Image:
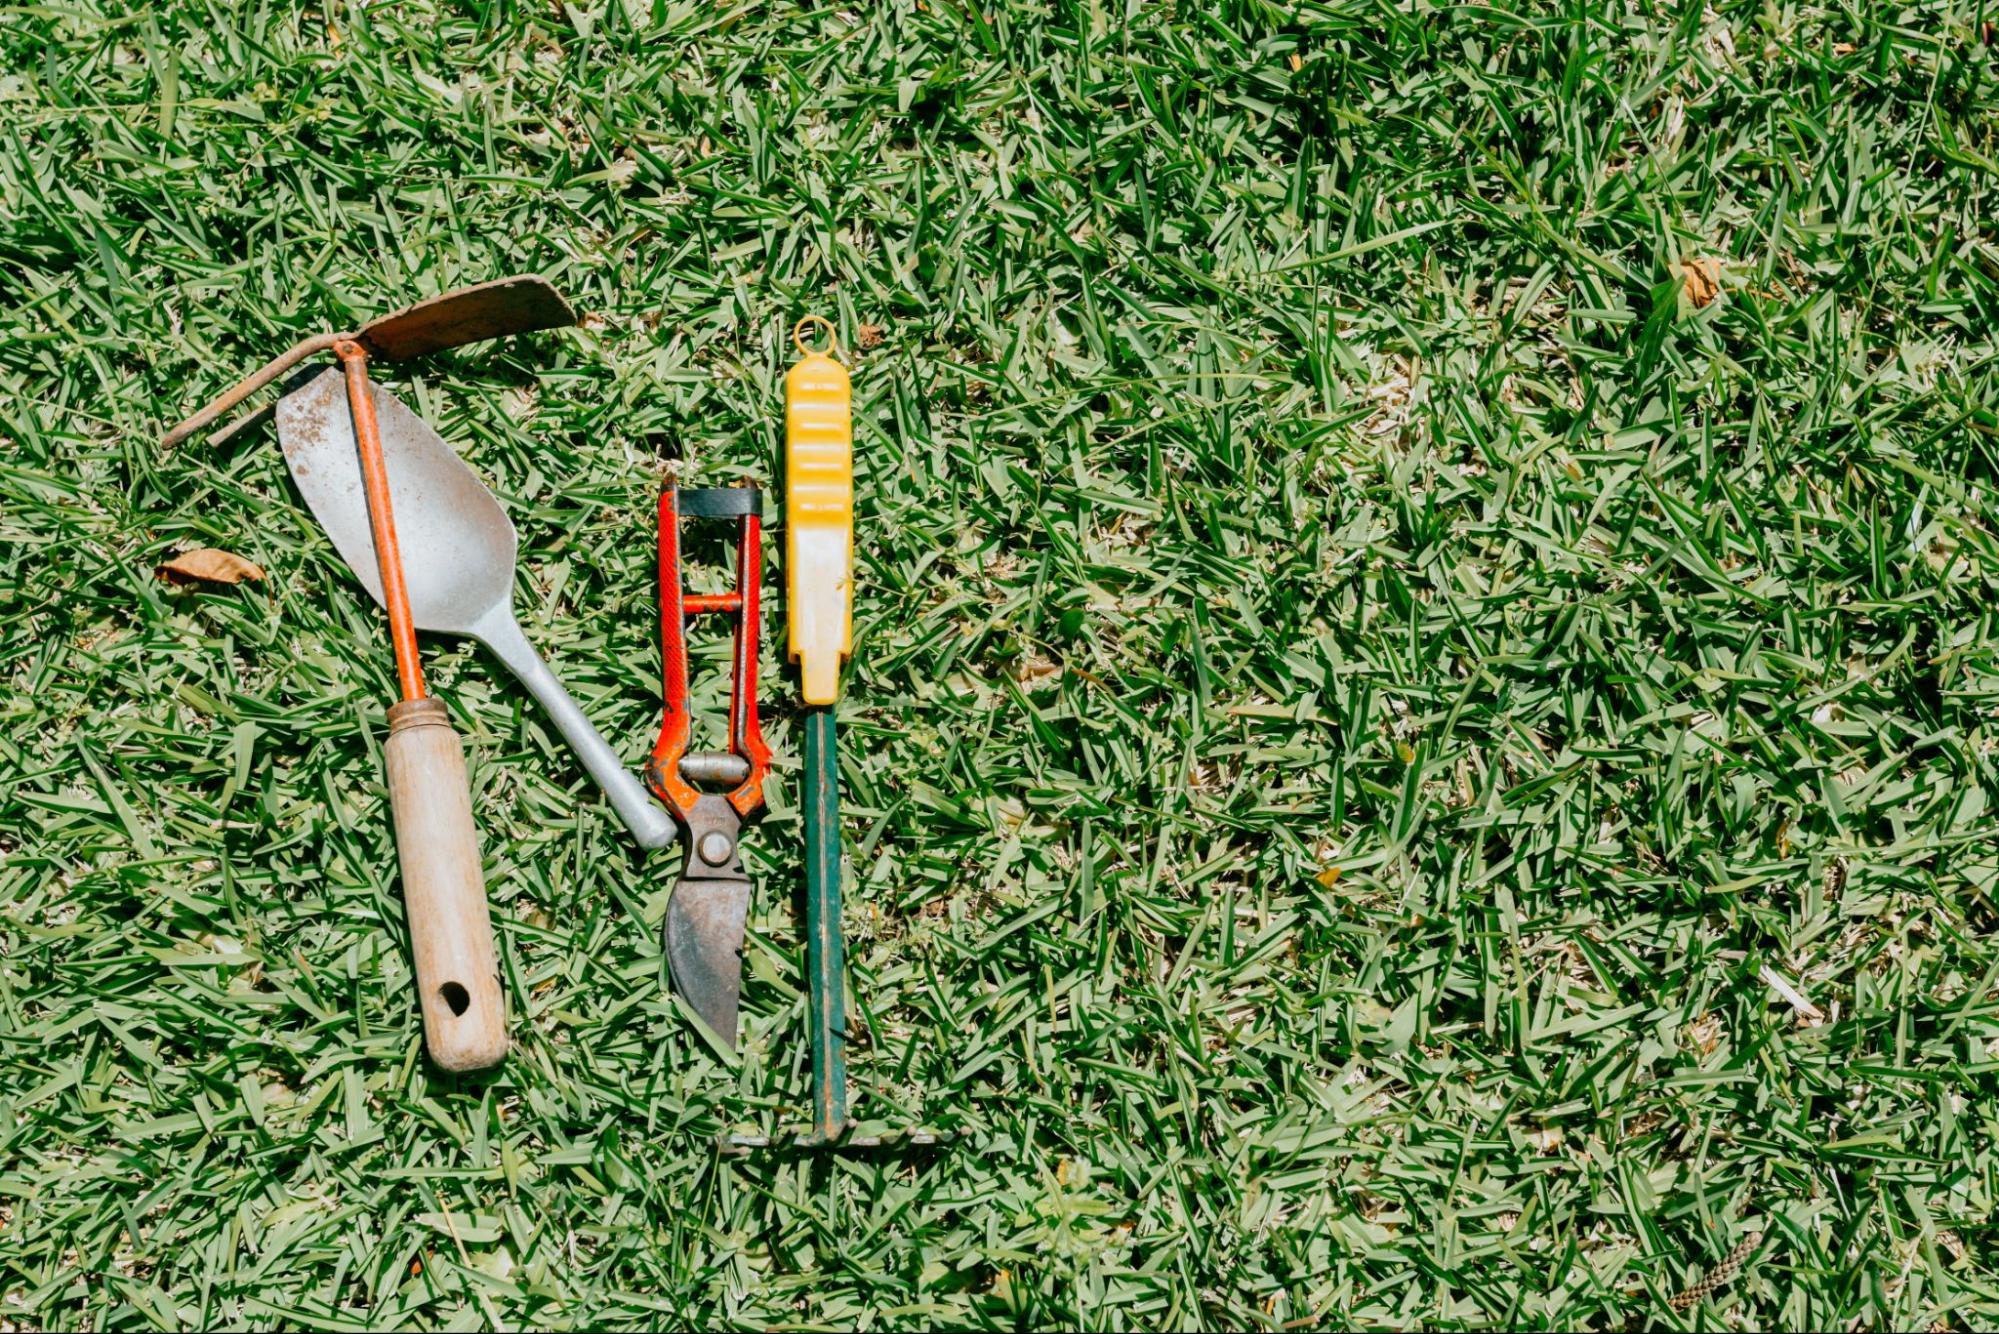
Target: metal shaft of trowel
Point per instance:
(381, 517)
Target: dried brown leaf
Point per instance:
(1702, 278)
(210, 565)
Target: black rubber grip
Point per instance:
(720, 502)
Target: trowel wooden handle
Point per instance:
(444, 889)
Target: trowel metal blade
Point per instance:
(704, 947)
(457, 543)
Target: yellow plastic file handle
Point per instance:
(819, 513)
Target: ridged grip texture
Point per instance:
(819, 521)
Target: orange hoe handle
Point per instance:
(437, 843)
(381, 518)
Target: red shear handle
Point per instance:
(746, 740)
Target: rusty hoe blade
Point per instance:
(521, 304)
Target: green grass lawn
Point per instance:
(1423, 721)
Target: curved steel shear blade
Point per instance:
(707, 917)
(704, 946)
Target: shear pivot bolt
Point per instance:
(714, 847)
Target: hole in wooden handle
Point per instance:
(456, 996)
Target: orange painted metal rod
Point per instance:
(381, 518)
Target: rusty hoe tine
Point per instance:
(250, 384)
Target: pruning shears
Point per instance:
(706, 918)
